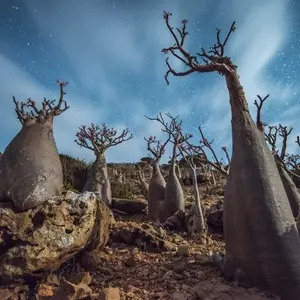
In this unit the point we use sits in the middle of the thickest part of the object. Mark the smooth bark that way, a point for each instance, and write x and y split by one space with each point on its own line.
260 231
174 197
290 189
98 180
30 167
156 190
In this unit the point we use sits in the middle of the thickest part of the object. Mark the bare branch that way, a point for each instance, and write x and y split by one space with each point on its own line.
227 155
216 62
99 139
298 140
155 147
28 110
259 106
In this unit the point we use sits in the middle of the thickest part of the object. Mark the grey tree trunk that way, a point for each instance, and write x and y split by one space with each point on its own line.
30 167
260 231
174 197
98 180
156 191
290 189
143 184
178 173
200 223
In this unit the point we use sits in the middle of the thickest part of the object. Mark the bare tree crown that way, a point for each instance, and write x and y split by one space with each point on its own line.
99 139
155 147
192 153
29 111
213 60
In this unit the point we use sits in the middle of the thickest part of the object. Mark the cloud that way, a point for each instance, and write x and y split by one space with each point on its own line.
111 55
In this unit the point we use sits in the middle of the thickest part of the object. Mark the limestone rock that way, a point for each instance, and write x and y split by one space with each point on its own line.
147 239
42 239
215 215
110 294
71 291
130 206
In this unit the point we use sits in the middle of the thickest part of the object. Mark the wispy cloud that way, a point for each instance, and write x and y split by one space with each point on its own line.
111 55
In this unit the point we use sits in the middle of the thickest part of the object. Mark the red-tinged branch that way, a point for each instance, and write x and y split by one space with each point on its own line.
99 139
156 148
29 111
216 62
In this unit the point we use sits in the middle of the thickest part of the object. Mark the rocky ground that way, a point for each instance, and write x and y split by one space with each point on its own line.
141 261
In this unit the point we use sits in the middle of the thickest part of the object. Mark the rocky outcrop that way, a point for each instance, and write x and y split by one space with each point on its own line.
215 215
129 206
40 240
145 237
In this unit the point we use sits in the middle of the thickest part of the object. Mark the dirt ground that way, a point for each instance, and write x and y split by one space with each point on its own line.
182 273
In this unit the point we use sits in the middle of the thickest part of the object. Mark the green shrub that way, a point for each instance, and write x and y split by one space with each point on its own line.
123 190
75 172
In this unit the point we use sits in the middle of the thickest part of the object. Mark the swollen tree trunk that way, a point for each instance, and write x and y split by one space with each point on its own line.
156 190
260 231
179 174
200 223
30 167
290 189
174 197
98 180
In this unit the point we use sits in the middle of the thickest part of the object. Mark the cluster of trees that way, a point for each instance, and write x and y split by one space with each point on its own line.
260 230
261 203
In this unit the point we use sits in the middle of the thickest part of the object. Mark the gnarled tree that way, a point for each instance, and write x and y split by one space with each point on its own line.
30 167
174 197
156 190
280 155
99 139
188 153
260 232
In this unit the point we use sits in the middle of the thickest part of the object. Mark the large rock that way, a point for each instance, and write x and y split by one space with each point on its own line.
215 215
144 237
42 239
129 206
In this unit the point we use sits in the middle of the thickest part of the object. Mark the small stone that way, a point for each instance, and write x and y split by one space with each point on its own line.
45 291
83 277
70 291
130 262
183 250
200 275
179 296
110 294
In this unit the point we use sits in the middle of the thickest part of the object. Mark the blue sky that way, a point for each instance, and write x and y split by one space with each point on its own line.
110 52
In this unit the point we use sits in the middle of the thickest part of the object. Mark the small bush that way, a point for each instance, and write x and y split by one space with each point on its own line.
123 190
75 172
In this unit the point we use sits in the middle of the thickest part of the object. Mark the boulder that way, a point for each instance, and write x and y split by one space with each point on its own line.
129 206
215 215
144 237
41 239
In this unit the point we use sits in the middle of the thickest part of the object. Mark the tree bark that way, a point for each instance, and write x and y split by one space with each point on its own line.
156 190
290 189
200 219
98 180
174 197
260 231
30 167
